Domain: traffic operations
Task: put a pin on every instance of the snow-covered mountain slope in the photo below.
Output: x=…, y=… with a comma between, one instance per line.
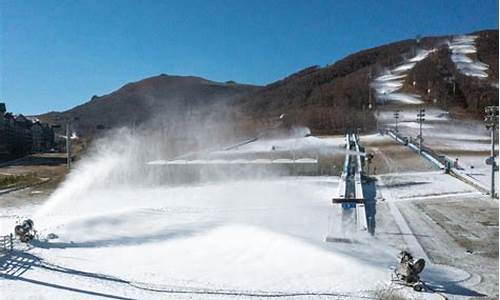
x=389, y=84
x=461, y=47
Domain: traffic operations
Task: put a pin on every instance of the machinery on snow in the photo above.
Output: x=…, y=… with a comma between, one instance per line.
x=25, y=231
x=408, y=270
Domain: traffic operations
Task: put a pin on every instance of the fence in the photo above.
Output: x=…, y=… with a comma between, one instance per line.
x=6, y=243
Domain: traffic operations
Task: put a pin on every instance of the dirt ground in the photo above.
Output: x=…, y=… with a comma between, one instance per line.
x=390, y=157
x=42, y=172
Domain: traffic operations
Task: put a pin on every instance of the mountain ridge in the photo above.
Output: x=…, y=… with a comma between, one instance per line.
x=326, y=99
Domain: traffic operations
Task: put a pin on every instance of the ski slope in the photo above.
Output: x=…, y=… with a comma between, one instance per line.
x=462, y=47
x=388, y=85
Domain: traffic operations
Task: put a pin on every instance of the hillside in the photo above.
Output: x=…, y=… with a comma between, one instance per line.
x=455, y=73
x=147, y=100
x=329, y=99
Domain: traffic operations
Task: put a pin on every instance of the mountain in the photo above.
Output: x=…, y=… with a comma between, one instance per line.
x=458, y=73
x=147, y=99
x=338, y=97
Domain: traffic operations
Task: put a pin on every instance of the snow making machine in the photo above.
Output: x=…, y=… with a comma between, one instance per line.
x=25, y=231
x=408, y=271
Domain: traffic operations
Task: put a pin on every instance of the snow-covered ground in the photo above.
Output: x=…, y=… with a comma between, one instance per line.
x=253, y=238
x=103, y=234
x=468, y=141
x=239, y=237
x=428, y=208
x=310, y=144
x=422, y=205
x=461, y=47
x=419, y=185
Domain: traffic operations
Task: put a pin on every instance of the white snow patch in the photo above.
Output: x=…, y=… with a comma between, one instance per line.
x=388, y=84
x=248, y=236
x=415, y=125
x=404, y=98
x=460, y=47
x=310, y=143
x=404, y=67
x=431, y=114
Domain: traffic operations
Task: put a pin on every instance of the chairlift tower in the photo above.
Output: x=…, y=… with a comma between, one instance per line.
x=420, y=119
x=491, y=123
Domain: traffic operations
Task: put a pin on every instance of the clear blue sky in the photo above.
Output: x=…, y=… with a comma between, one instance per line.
x=57, y=54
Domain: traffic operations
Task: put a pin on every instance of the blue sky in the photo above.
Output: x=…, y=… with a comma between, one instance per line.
x=57, y=54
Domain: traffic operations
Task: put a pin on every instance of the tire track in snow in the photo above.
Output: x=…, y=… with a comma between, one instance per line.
x=240, y=293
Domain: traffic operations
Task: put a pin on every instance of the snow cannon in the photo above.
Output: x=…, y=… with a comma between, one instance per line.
x=408, y=271
x=25, y=231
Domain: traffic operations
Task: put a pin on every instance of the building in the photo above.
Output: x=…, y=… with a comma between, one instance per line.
x=23, y=136
x=4, y=151
x=48, y=137
x=20, y=135
x=10, y=133
x=37, y=138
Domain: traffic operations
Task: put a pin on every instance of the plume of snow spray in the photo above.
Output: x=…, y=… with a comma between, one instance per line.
x=95, y=171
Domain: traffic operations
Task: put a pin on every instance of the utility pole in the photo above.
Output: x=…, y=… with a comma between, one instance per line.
x=491, y=123
x=396, y=116
x=68, y=146
x=420, y=119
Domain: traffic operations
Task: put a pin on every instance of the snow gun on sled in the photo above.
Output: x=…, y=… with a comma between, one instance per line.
x=408, y=270
x=25, y=231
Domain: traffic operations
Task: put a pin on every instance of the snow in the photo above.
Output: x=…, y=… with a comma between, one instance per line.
x=405, y=230
x=120, y=236
x=421, y=55
x=395, y=190
x=414, y=125
x=242, y=237
x=304, y=160
x=469, y=142
x=431, y=114
x=409, y=186
x=234, y=257
x=310, y=144
x=253, y=236
x=404, y=98
x=388, y=84
x=476, y=167
x=460, y=47
x=404, y=67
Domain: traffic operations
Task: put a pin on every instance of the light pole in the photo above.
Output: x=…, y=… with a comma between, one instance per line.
x=420, y=119
x=70, y=135
x=68, y=146
x=396, y=116
x=491, y=123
